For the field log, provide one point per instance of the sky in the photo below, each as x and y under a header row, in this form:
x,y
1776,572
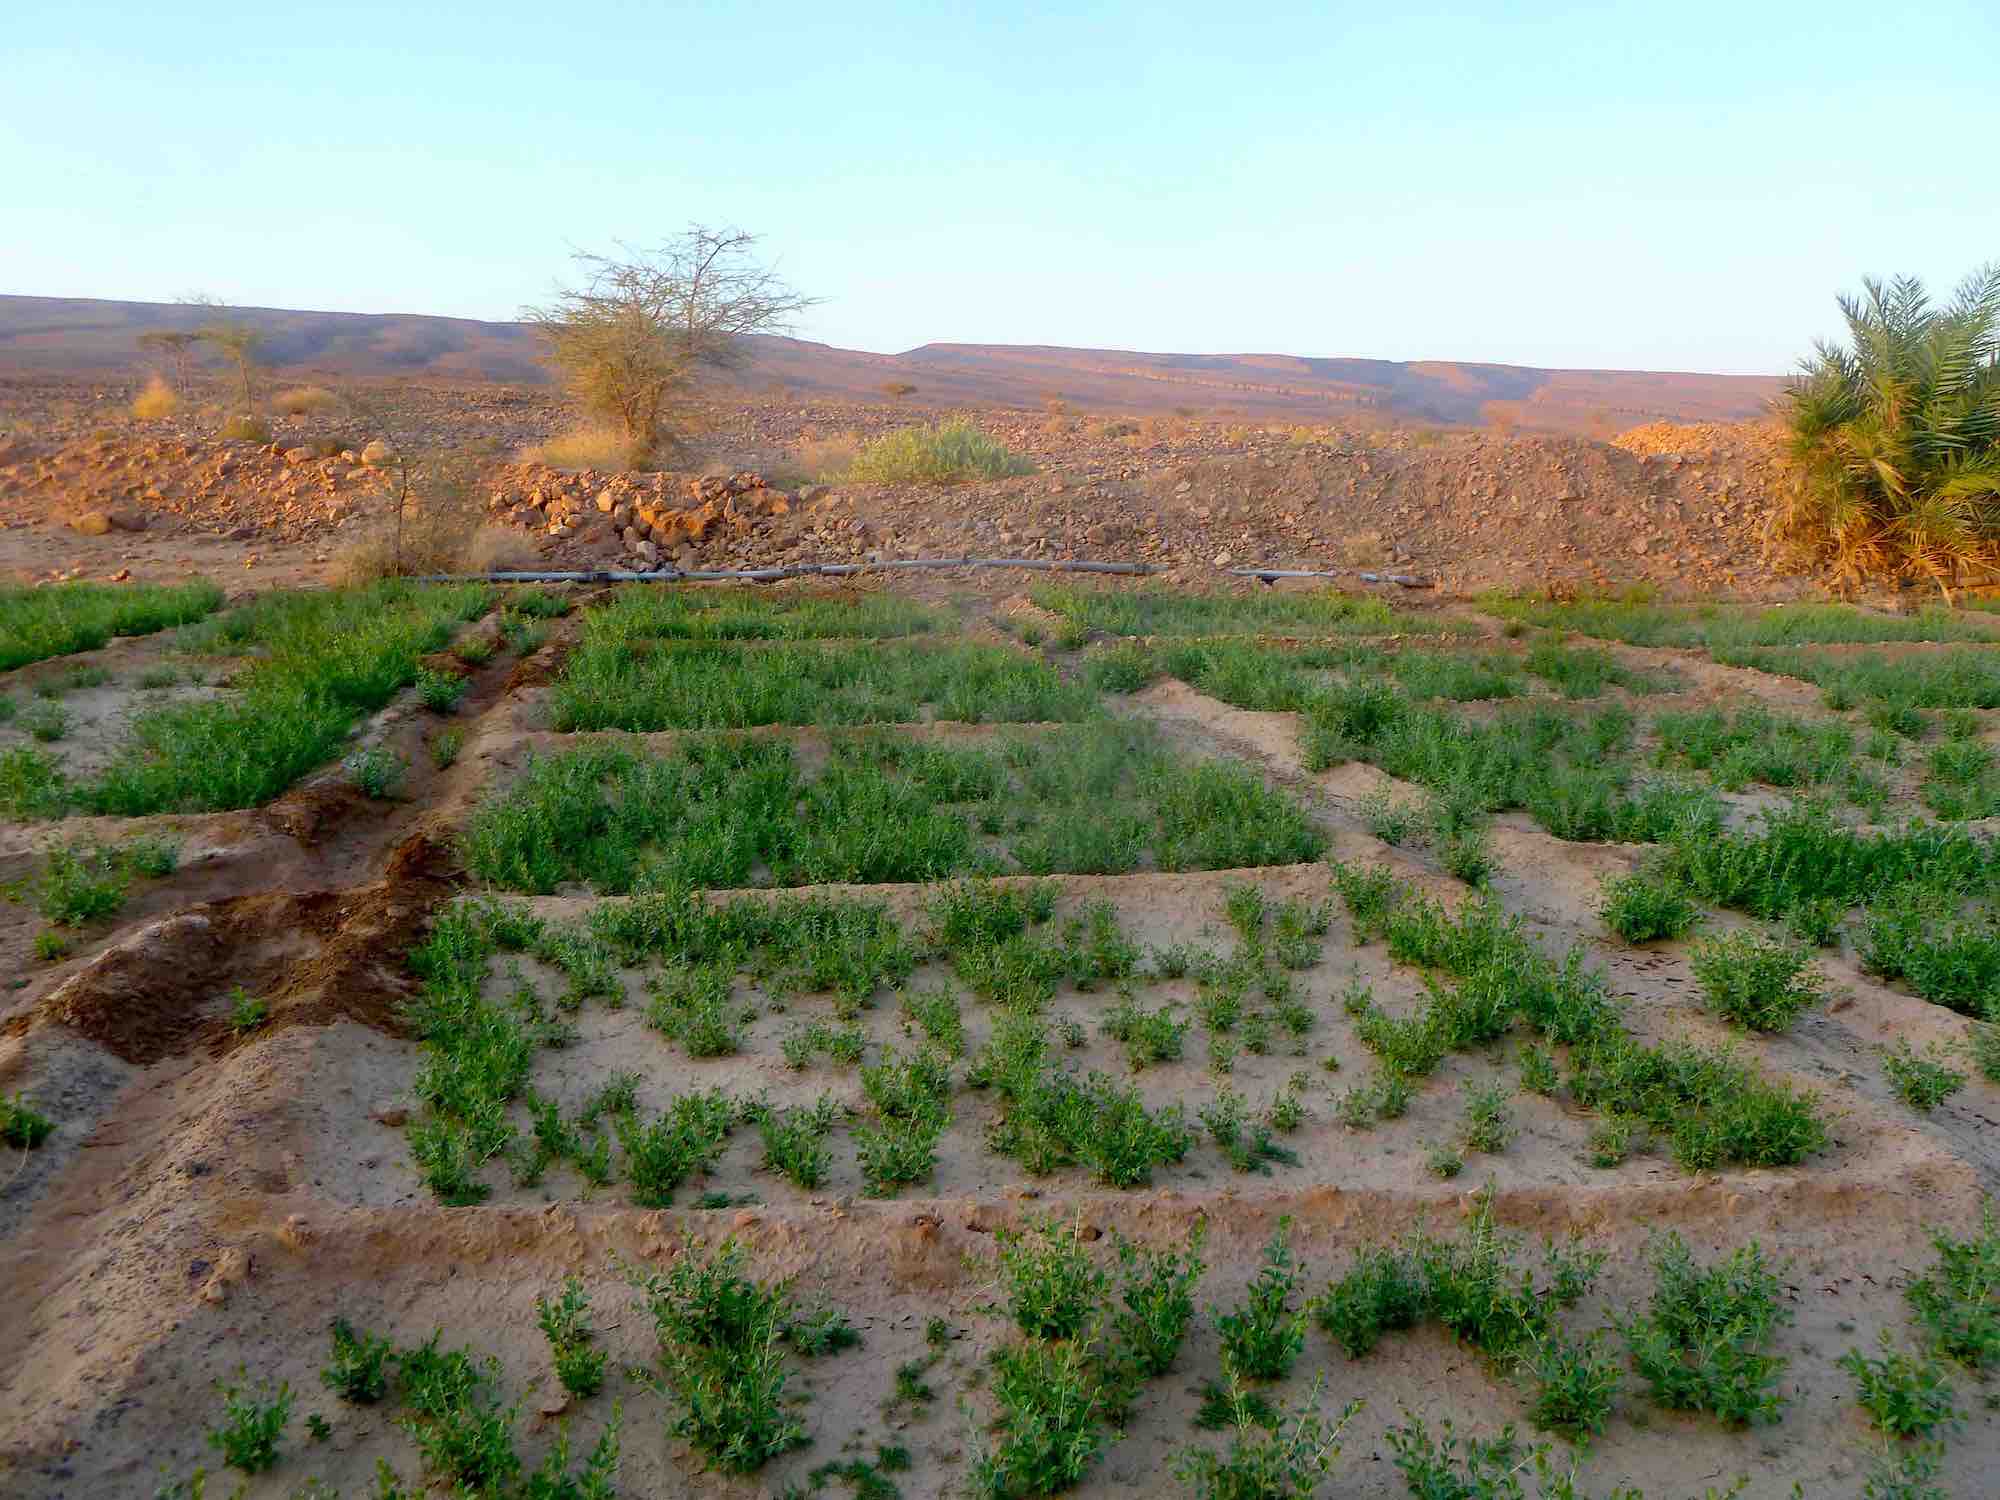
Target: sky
x,y
1611,185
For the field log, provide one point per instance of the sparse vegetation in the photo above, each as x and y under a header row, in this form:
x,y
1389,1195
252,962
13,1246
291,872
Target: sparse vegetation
x,y
940,454
59,619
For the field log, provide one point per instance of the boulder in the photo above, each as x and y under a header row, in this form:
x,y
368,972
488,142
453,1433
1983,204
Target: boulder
x,y
127,520
299,455
90,522
377,453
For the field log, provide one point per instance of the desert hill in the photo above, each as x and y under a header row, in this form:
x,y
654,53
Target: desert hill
x,y
83,336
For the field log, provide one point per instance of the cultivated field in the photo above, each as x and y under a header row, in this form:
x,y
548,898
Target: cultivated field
x,y
675,1041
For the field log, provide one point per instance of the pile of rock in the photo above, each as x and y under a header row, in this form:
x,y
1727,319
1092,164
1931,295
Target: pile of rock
x,y
652,518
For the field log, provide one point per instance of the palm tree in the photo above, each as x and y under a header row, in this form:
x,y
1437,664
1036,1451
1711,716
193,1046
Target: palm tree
x,y
1896,439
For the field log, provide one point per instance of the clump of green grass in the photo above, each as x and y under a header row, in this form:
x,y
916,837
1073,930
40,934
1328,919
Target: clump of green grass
x,y
686,1138
1755,981
941,453
1052,1410
1644,907
1754,744
1921,1080
1586,671
722,1364
1156,1292
31,784
1053,1288
1639,620
1916,932
1702,1344
46,722
247,1012
321,660
60,619
445,746
1155,611
440,691
795,1141
81,883
1712,1109
639,612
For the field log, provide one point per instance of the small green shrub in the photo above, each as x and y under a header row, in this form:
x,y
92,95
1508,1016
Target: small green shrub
x,y
1488,1121
1263,1336
941,453
253,1420
687,1138
358,1369
22,1126
445,746
1289,1461
1052,1410
1644,907
1576,1385
247,1011
824,1330
1922,1081
1957,1301
47,721
80,883
376,772
1157,1292
565,1323
1053,1289
722,1362
440,691
1755,981
1701,1345
1908,1395
795,1142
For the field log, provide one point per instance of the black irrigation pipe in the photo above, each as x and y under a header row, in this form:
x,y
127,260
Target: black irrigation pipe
x,y
842,570
1268,574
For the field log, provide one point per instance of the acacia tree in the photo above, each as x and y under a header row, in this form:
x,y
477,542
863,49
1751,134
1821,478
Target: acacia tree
x,y
630,337
237,340
1896,438
176,346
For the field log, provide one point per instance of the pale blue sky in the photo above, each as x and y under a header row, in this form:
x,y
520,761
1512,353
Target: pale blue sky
x,y
1666,186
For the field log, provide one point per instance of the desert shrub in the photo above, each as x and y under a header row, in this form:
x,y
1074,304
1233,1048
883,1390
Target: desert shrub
x,y
1916,932
80,883
155,400
1908,1395
358,1368
587,446
304,400
1645,906
940,453
822,1330
1702,1343
1893,439
687,1138
244,427
1381,1293
440,691
722,1361
428,523
795,1141
22,1126
1957,1301
1755,981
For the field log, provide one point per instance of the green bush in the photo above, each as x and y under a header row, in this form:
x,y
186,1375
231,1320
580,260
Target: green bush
x,y
1262,1337
1287,1462
1957,1301
1908,1395
937,454
1701,1345
358,1370
1755,981
1052,1405
59,619
1157,1292
1643,907
1053,1289
253,1420
1922,1081
722,1361
22,1126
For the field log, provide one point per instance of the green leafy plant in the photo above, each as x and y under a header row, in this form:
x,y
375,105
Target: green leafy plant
x,y
440,691
358,1370
1957,1301
445,746
1908,1395
253,1421
722,1363
1702,1343
1576,1384
1286,1457
247,1011
1755,981
1645,906
375,772
1051,1415
1262,1337
565,1323
1921,1080
1053,1289
1157,1293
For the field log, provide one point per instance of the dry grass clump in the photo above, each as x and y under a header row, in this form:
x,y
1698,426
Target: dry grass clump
x,y
442,530
305,400
246,428
155,401
827,460
940,454
596,445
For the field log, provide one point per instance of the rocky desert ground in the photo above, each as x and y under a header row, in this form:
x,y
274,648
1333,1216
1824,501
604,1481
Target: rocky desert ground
x,y
983,1032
